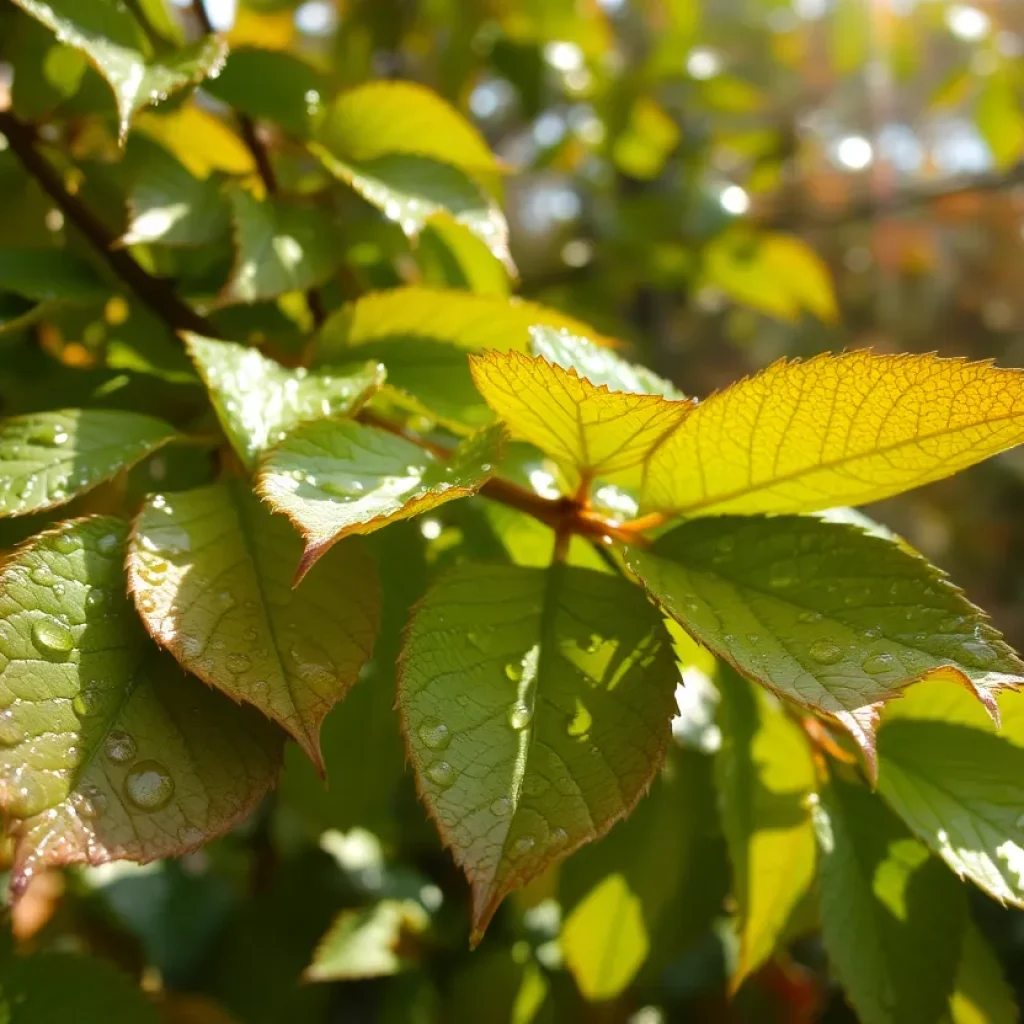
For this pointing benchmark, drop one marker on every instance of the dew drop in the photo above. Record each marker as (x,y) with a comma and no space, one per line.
(42,575)
(434,734)
(189,835)
(146,603)
(809,616)
(250,635)
(149,786)
(52,636)
(94,801)
(781,577)
(238,662)
(523,845)
(876,664)
(565,786)
(559,837)
(107,542)
(514,671)
(441,773)
(520,715)
(119,747)
(96,598)
(825,652)
(67,543)
(501,807)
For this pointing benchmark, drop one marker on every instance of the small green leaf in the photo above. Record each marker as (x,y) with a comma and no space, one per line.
(370,943)
(258,401)
(599,365)
(981,994)
(334,478)
(108,34)
(422,335)
(270,85)
(605,939)
(893,917)
(535,706)
(211,573)
(46,458)
(822,613)
(1000,118)
(282,247)
(766,778)
(44,274)
(167,204)
(108,751)
(451,256)
(48,987)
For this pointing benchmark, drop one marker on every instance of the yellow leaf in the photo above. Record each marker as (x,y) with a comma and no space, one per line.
(642,149)
(200,140)
(270,31)
(605,939)
(835,430)
(599,433)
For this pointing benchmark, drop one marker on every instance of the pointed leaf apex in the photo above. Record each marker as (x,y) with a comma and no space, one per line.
(862,726)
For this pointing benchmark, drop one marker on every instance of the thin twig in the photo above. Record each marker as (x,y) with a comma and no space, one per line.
(153,292)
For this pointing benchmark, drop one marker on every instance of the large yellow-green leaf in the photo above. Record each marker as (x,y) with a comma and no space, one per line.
(282,247)
(585,427)
(211,572)
(535,706)
(380,118)
(46,458)
(835,430)
(605,939)
(258,401)
(766,778)
(108,750)
(893,918)
(334,478)
(449,255)
(822,613)
(422,336)
(109,35)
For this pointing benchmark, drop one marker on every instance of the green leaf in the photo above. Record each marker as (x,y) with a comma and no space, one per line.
(605,939)
(370,943)
(271,86)
(46,458)
(334,478)
(43,274)
(601,366)
(412,190)
(258,401)
(282,247)
(450,255)
(893,918)
(822,613)
(211,572)
(981,994)
(108,34)
(47,987)
(961,789)
(167,204)
(1000,118)
(535,706)
(384,118)
(422,336)
(109,752)
(766,779)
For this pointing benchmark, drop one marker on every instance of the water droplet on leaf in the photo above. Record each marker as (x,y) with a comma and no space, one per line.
(514,671)
(520,716)
(441,773)
(826,652)
(238,663)
(523,845)
(119,747)
(501,807)
(434,734)
(878,663)
(52,637)
(149,786)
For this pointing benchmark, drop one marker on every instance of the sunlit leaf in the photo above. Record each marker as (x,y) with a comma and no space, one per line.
(650,136)
(334,478)
(200,140)
(211,571)
(605,939)
(109,751)
(450,255)
(585,427)
(835,430)
(765,780)
(893,917)
(46,458)
(823,613)
(981,994)
(258,401)
(43,274)
(281,247)
(370,943)
(1001,119)
(536,707)
(108,34)
(422,335)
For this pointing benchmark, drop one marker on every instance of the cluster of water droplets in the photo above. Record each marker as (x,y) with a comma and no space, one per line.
(148,785)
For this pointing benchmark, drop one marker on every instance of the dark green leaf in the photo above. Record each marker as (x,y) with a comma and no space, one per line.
(43,274)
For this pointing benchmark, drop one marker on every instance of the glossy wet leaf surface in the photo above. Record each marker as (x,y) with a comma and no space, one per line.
(835,430)
(46,458)
(765,780)
(333,478)
(422,335)
(107,750)
(893,917)
(258,400)
(585,427)
(536,706)
(822,613)
(109,35)
(211,571)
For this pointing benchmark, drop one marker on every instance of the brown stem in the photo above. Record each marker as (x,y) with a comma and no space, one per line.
(153,292)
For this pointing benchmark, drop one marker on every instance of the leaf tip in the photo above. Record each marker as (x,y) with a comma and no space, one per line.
(862,724)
